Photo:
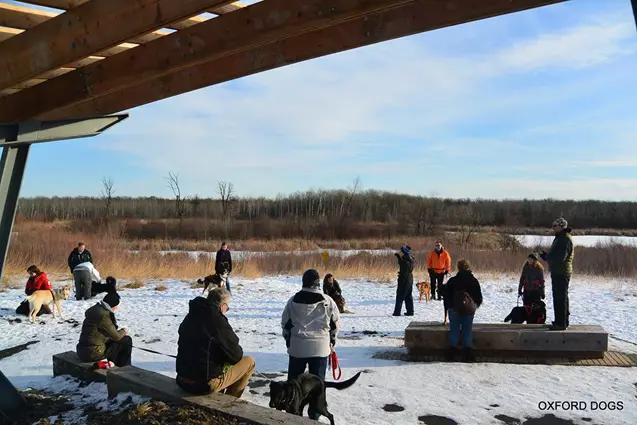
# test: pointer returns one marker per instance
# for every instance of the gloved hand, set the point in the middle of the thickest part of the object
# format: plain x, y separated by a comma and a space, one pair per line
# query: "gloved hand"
431, 271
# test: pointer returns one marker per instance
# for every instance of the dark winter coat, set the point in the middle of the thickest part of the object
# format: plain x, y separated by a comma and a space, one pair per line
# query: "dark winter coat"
532, 281
223, 262
76, 258
207, 343
333, 290
463, 281
99, 327
560, 256
405, 269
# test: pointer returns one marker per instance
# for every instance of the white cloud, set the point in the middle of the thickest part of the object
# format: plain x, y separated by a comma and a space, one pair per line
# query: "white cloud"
280, 128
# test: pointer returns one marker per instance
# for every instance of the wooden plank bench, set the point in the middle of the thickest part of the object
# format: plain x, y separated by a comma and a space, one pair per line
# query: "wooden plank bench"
69, 363
163, 388
508, 340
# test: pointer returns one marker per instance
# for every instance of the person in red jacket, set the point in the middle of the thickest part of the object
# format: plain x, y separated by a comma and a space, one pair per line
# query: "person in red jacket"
38, 281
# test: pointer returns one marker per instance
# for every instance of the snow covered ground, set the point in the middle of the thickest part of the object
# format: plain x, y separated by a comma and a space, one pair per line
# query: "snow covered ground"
466, 393
580, 240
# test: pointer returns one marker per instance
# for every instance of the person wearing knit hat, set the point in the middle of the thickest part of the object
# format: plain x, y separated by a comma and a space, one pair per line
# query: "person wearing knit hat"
531, 285
560, 262
310, 324
405, 282
100, 339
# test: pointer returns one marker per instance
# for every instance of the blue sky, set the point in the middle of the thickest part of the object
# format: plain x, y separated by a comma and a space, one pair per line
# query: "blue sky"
530, 105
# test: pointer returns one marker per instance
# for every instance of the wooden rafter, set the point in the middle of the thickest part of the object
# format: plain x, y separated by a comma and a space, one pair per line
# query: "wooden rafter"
90, 28
249, 27
70, 4
24, 18
409, 19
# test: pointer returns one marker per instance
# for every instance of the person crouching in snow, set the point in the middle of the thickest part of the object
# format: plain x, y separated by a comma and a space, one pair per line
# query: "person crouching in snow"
37, 281
84, 275
531, 287
100, 339
310, 324
333, 289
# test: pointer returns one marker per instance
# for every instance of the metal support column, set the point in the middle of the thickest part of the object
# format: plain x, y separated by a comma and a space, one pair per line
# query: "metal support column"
16, 140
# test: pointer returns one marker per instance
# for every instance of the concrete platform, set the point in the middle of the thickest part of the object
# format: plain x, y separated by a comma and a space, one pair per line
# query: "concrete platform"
163, 388
489, 339
70, 364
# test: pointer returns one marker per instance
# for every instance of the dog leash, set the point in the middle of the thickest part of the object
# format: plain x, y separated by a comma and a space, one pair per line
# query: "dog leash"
334, 365
623, 340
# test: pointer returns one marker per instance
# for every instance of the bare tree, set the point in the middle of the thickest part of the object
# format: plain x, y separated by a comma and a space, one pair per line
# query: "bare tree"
180, 205
351, 193
225, 189
107, 196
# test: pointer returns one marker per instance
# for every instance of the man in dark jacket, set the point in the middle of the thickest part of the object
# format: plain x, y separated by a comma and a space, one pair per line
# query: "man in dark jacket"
79, 255
100, 339
560, 261
405, 282
209, 357
223, 264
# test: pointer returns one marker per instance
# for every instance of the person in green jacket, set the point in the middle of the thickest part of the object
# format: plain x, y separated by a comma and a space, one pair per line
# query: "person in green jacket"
100, 339
560, 262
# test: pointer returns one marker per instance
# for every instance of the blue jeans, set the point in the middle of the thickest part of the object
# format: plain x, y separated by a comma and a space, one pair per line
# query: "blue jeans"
316, 365
455, 323
228, 284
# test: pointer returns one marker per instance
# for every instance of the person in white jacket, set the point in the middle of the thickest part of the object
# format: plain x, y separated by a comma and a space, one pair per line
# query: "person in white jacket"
84, 275
310, 325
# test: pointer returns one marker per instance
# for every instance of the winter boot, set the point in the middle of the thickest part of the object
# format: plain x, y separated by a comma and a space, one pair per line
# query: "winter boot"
469, 355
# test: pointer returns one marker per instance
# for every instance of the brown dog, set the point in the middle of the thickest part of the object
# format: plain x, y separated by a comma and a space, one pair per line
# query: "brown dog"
48, 297
425, 291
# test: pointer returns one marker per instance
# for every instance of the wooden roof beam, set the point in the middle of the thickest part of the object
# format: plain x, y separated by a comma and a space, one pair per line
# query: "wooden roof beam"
255, 25
85, 30
70, 4
417, 17
25, 18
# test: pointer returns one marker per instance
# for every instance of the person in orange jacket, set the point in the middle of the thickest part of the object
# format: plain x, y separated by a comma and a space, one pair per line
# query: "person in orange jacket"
438, 266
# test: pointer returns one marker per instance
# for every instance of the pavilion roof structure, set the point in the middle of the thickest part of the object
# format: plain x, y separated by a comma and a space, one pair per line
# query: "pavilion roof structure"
79, 58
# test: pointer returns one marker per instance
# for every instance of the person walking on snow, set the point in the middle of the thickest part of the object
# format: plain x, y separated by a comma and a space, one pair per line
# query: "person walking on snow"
405, 281
438, 266
560, 261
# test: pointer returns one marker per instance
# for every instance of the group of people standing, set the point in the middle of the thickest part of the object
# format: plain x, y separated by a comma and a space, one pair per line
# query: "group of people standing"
462, 293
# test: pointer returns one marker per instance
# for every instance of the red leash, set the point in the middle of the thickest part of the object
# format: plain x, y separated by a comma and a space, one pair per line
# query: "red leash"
333, 364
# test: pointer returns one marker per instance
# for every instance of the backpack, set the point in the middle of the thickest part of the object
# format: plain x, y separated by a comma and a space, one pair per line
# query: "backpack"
464, 304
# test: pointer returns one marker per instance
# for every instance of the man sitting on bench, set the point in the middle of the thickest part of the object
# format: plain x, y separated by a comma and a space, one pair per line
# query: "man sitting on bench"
209, 357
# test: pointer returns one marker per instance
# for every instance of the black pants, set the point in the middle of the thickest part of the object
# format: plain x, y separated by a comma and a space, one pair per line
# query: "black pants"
120, 352
436, 281
83, 283
403, 294
23, 309
560, 299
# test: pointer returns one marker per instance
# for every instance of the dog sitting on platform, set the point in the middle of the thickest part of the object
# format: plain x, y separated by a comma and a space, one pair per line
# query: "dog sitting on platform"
531, 314
425, 291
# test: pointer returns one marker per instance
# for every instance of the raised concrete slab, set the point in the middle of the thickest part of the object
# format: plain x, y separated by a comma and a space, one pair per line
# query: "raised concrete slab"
70, 364
584, 341
164, 388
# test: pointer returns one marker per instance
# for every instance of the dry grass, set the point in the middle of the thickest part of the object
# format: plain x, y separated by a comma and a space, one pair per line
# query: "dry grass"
48, 247
161, 288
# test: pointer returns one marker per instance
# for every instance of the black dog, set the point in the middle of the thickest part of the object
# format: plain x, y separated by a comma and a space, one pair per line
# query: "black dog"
211, 279
532, 314
109, 287
293, 395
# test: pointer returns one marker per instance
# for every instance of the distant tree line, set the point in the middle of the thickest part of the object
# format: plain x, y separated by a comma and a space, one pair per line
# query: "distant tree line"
338, 209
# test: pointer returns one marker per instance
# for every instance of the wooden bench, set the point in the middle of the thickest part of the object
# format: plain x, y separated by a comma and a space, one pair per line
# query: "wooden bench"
70, 364
581, 341
160, 387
